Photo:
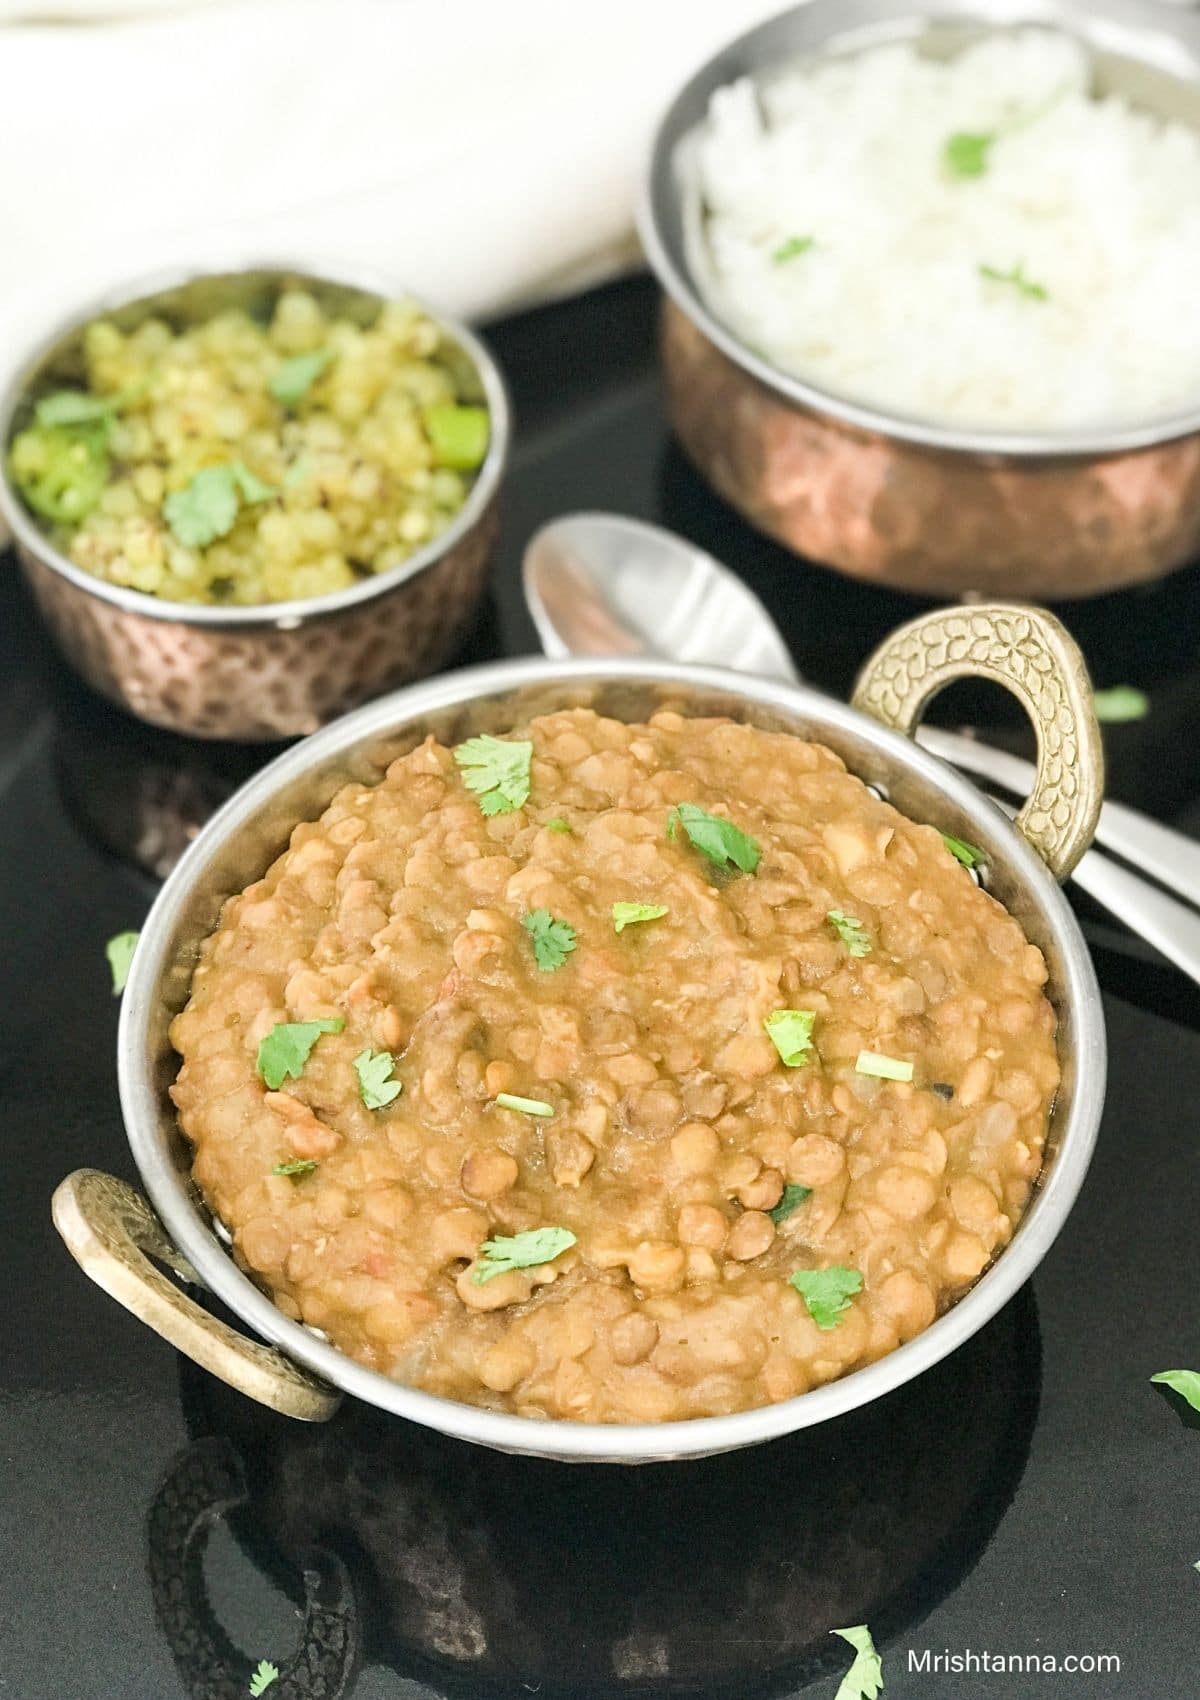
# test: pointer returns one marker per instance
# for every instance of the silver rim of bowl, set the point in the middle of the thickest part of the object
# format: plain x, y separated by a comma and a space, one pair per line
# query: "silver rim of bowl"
193, 1234
856, 25
281, 615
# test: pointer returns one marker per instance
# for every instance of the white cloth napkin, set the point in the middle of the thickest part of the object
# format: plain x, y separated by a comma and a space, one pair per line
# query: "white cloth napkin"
484, 152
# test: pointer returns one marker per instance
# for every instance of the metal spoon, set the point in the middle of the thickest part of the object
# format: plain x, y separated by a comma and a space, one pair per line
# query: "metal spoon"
602, 584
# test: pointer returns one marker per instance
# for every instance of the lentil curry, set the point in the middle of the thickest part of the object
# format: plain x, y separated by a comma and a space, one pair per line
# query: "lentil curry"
618, 1073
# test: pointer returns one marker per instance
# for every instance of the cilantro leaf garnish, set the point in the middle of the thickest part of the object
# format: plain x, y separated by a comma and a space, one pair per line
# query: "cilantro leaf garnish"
263, 1677
1017, 280
298, 1167
285, 1049
1185, 1382
497, 770
1120, 703
965, 154
962, 852
864, 1679
881, 1067
630, 914
790, 1031
292, 380
457, 435
851, 932
794, 246
793, 1198
207, 508
553, 941
521, 1251
251, 487
119, 951
74, 407
558, 825
523, 1106
827, 1292
376, 1087
724, 844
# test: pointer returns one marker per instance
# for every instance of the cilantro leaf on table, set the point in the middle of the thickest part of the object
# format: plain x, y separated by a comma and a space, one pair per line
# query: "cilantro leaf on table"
632, 914
376, 1087
553, 940
263, 1677
790, 1031
864, 1679
119, 951
1185, 1382
852, 933
497, 770
286, 1048
521, 1251
292, 380
793, 1197
827, 1292
1120, 703
724, 844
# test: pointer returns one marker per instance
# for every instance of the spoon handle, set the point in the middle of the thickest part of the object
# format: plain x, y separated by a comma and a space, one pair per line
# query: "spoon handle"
1159, 851
1168, 925
1172, 929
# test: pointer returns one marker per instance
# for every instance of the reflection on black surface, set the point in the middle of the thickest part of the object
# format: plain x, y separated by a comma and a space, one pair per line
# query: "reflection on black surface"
205, 1482
139, 793
142, 794
479, 1572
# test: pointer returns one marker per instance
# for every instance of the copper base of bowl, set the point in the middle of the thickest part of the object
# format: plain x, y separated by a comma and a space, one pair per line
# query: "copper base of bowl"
265, 682
922, 519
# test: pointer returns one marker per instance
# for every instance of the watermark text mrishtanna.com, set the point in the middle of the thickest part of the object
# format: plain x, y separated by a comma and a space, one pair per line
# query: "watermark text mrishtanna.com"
951, 1662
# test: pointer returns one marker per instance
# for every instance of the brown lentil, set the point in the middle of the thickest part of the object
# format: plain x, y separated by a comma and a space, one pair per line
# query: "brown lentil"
675, 1126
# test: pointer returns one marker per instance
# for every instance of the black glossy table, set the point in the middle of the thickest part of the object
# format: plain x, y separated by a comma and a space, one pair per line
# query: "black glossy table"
1034, 1496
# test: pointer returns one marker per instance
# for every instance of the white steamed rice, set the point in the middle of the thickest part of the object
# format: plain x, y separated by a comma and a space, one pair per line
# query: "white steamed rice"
1096, 203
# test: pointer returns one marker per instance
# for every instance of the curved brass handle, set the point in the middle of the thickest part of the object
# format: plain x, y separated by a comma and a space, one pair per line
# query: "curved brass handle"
109, 1229
1037, 659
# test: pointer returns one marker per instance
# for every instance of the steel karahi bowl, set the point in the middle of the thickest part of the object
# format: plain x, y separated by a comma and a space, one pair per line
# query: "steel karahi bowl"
109, 1227
280, 669
940, 510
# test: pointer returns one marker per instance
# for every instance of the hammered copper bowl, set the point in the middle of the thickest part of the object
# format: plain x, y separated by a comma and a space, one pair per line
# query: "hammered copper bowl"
110, 1228
285, 668
916, 506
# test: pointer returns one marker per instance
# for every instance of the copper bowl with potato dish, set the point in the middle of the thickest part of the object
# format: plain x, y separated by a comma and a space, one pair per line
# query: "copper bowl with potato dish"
248, 500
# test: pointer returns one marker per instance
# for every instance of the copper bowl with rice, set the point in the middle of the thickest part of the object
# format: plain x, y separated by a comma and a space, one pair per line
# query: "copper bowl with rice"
902, 500
274, 668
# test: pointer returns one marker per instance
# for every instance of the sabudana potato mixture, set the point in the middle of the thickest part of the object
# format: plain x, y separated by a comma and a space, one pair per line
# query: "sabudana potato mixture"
243, 462
617, 1073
